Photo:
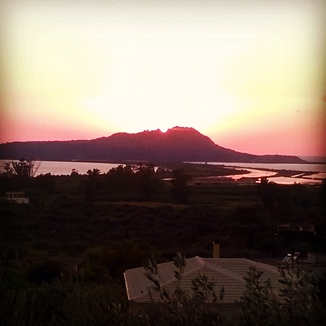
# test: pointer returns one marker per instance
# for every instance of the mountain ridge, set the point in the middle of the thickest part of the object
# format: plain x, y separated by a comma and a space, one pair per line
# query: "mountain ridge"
175, 145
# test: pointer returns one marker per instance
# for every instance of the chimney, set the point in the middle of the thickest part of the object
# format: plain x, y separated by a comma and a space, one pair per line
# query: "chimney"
216, 248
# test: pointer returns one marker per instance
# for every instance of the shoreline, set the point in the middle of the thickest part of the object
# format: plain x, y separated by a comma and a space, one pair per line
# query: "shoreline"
241, 172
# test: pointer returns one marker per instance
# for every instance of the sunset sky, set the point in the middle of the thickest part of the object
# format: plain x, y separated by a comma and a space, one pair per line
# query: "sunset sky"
249, 74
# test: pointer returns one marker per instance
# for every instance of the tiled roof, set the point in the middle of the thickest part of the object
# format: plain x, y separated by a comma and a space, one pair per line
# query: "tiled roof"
227, 272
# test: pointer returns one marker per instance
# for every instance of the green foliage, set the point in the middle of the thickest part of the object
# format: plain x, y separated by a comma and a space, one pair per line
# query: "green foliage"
65, 301
301, 294
46, 182
74, 173
180, 190
89, 190
45, 271
297, 302
258, 302
323, 193
146, 181
267, 191
113, 260
8, 171
107, 216
133, 182
204, 290
121, 177
180, 262
23, 168
94, 172
179, 307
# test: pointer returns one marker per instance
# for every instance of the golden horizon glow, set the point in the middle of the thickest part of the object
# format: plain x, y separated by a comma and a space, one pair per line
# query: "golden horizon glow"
248, 74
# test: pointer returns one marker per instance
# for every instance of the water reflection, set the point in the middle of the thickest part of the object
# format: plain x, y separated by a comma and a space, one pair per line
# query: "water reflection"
320, 175
318, 171
315, 178
292, 180
307, 173
253, 173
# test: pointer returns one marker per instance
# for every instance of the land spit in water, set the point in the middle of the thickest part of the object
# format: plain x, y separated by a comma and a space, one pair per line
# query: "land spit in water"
253, 176
201, 172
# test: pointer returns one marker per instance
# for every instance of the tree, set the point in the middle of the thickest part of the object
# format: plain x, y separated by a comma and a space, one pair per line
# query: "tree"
297, 303
89, 190
91, 184
258, 303
8, 170
23, 168
122, 177
74, 173
266, 191
94, 172
145, 176
180, 307
180, 190
323, 193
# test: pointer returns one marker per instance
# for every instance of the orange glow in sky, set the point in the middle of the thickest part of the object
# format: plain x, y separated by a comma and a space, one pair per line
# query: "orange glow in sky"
248, 74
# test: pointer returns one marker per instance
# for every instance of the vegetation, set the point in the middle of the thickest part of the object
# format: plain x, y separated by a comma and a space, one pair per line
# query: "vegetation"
179, 307
65, 252
75, 301
296, 304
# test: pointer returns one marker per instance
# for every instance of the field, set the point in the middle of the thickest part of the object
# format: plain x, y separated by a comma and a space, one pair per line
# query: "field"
102, 224
69, 214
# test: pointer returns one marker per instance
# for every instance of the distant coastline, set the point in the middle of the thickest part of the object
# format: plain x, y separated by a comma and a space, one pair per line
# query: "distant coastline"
310, 173
314, 159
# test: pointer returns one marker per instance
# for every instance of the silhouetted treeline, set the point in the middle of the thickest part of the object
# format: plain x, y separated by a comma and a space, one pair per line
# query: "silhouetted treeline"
142, 202
68, 248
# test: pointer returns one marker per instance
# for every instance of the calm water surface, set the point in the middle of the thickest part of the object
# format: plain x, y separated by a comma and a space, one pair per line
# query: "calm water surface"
256, 169
307, 167
318, 171
62, 168
65, 168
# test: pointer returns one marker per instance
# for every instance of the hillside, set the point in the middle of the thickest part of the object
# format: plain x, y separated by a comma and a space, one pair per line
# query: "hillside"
175, 145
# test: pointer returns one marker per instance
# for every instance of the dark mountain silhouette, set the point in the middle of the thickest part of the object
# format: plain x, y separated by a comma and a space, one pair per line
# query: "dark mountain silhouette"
175, 145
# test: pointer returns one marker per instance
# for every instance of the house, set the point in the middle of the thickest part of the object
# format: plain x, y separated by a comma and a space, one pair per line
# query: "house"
16, 197
316, 258
247, 181
297, 227
227, 272
316, 263
216, 180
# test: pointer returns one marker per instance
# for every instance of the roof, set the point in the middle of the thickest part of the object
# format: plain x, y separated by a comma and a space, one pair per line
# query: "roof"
15, 192
227, 272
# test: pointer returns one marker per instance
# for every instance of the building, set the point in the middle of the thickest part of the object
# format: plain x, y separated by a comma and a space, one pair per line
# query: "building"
214, 180
16, 197
227, 272
297, 227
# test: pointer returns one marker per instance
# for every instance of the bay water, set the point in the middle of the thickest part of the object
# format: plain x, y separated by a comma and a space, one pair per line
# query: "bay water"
318, 171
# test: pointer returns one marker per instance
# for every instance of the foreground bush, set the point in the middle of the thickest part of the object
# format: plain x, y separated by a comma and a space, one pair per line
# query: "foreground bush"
62, 302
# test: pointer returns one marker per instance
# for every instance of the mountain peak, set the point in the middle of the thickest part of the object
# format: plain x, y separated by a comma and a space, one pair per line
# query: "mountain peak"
176, 144
177, 128
159, 131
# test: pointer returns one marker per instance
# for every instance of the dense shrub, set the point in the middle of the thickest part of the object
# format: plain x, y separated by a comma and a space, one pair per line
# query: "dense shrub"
45, 271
